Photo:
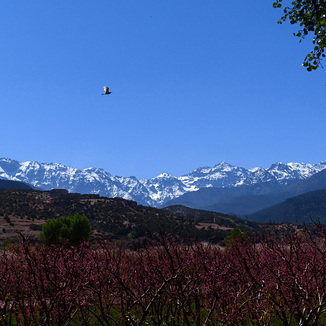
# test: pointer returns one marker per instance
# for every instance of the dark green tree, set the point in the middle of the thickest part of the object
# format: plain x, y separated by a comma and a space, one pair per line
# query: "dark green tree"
70, 230
311, 17
236, 236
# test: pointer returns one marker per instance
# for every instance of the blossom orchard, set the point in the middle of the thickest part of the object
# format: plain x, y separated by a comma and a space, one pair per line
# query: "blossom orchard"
248, 283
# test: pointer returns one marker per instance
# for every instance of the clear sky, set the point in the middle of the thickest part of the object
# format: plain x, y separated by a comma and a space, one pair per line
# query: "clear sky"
193, 83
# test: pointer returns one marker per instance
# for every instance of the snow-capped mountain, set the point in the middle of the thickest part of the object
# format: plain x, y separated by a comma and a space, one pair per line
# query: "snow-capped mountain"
155, 191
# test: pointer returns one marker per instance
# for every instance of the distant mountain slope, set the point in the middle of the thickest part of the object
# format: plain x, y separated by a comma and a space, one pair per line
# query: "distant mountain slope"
239, 200
204, 216
303, 208
245, 200
8, 184
161, 189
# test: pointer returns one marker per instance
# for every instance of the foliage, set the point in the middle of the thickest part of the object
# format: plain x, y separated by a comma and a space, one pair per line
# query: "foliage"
236, 236
166, 283
311, 16
113, 218
66, 229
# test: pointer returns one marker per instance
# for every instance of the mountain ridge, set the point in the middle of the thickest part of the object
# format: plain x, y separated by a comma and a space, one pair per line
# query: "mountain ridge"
246, 200
156, 191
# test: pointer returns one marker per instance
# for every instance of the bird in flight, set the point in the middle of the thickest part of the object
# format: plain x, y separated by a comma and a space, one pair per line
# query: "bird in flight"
106, 91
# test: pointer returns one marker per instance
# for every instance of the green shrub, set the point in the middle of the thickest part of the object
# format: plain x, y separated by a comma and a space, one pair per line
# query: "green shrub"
236, 236
70, 230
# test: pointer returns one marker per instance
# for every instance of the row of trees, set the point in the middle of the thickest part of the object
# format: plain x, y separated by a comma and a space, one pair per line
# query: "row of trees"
166, 283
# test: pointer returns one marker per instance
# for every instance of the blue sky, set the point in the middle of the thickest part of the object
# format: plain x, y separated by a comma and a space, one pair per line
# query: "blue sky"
193, 83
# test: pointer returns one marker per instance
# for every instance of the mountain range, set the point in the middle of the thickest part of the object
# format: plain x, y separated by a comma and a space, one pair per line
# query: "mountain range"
245, 200
224, 188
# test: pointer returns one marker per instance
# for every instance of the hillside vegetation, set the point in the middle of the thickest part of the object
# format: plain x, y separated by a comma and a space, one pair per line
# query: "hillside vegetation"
110, 218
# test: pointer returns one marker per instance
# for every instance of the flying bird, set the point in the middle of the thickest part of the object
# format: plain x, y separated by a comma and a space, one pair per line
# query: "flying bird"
106, 91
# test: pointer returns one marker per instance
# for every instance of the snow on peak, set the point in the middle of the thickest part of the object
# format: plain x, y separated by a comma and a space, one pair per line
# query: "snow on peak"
287, 171
164, 175
224, 165
153, 191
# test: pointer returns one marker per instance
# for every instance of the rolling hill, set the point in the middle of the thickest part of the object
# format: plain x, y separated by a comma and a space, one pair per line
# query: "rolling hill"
111, 218
306, 208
